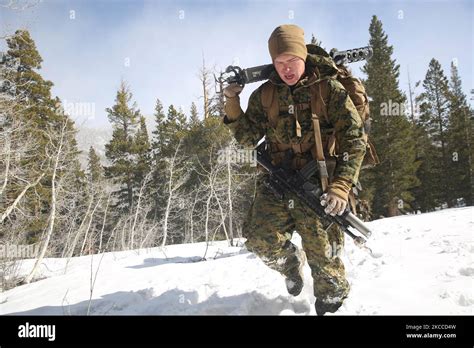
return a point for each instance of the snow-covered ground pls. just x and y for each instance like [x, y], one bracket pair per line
[424, 265]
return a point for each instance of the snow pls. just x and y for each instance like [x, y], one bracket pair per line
[423, 265]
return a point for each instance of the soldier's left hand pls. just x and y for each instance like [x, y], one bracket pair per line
[333, 203]
[233, 90]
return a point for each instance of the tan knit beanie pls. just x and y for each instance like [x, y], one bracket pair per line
[287, 39]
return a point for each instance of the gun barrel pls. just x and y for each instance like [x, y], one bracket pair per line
[355, 222]
[352, 55]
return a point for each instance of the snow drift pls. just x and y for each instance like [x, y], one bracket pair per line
[424, 266]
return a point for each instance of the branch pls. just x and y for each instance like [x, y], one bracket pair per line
[20, 196]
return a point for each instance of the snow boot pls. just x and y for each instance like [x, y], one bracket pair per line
[294, 278]
[324, 307]
[294, 284]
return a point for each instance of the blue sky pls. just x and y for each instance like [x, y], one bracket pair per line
[157, 46]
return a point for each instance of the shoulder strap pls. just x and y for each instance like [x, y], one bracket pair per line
[315, 109]
[270, 102]
[319, 92]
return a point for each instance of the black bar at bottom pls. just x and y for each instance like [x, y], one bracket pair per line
[135, 330]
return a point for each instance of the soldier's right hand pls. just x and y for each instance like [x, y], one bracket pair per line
[232, 90]
[333, 204]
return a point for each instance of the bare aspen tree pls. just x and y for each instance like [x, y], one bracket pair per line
[205, 76]
[29, 185]
[177, 175]
[104, 221]
[229, 198]
[78, 233]
[56, 152]
[91, 218]
[195, 201]
[138, 208]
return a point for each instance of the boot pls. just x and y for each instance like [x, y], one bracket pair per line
[294, 284]
[324, 307]
[294, 278]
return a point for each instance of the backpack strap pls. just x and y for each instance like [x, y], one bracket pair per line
[323, 172]
[318, 90]
[271, 108]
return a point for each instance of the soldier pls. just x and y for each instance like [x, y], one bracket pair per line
[303, 85]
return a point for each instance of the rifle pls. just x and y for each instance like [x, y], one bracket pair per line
[282, 181]
[235, 74]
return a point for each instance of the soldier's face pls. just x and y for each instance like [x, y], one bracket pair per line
[289, 67]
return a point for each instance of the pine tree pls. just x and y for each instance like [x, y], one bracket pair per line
[43, 109]
[158, 133]
[94, 167]
[120, 150]
[157, 148]
[459, 138]
[142, 150]
[194, 117]
[174, 130]
[390, 183]
[434, 117]
[426, 196]
[44, 118]
[29, 83]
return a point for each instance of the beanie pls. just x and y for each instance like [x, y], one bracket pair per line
[287, 39]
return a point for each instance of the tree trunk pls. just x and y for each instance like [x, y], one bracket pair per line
[52, 215]
[18, 199]
[229, 197]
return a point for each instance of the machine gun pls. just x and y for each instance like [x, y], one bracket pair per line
[282, 181]
[235, 74]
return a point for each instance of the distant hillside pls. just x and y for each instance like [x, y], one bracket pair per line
[97, 137]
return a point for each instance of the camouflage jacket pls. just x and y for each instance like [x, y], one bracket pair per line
[343, 120]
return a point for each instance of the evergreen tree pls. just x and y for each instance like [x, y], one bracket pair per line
[174, 129]
[94, 167]
[434, 117]
[158, 133]
[426, 196]
[120, 151]
[194, 117]
[157, 148]
[44, 118]
[459, 137]
[390, 183]
[29, 84]
[44, 110]
[142, 151]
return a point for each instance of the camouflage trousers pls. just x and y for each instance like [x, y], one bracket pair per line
[269, 228]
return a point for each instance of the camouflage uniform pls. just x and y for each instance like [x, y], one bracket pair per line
[271, 222]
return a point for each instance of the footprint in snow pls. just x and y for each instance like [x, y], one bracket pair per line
[465, 300]
[468, 271]
[444, 294]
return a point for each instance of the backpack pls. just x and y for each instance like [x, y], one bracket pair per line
[358, 95]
